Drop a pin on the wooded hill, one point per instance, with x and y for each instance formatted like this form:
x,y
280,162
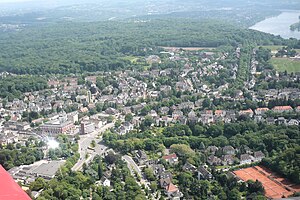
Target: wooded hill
x,y
78,47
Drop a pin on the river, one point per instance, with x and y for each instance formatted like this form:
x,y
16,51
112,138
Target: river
x,y
280,25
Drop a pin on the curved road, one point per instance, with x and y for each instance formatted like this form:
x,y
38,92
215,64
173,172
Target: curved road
x,y
85,142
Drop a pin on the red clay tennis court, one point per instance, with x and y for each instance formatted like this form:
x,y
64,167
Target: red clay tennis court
x,y
275,186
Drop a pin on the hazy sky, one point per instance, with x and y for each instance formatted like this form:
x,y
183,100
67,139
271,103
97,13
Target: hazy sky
x,y
13,1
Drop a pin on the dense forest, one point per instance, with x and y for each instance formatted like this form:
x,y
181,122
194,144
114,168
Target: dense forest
x,y
14,86
287,163
78,47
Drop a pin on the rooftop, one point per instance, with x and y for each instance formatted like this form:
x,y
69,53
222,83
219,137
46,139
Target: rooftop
x,y
48,169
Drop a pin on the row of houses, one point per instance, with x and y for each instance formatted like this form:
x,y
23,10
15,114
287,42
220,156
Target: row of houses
x,y
228,155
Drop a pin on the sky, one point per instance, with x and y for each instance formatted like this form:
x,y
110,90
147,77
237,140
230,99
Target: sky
x,y
47,1
13,1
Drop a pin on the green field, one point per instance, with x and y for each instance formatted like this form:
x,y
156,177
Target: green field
x,y
132,59
282,64
272,48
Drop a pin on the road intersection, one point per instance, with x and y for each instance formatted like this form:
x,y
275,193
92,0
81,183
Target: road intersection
x,y
84,146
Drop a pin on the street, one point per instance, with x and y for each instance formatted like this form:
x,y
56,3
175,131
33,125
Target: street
x,y
84,144
133,166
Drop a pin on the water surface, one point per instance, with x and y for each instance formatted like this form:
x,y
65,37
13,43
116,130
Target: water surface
x,y
280,25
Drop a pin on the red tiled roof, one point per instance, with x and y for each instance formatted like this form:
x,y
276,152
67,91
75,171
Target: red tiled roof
x,y
218,112
282,108
171,188
52,82
262,109
170,156
84,109
246,111
9,189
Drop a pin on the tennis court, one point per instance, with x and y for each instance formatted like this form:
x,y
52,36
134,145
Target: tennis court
x,y
273,184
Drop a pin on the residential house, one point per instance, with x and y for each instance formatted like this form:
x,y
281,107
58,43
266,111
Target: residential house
x,y
186,105
245,159
258,156
203,173
165,175
8,138
189,167
164,121
92,79
248,113
220,113
172,158
280,109
198,103
270,120
192,117
244,149
227,159
261,111
84,110
281,120
104,182
176,114
53,83
293,122
182,86
111,111
182,120
141,157
126,110
230,116
207,117
164,182
172,191
153,113
125,128
158,169
151,162
165,89
228,150
258,118
164,110
212,149
213,160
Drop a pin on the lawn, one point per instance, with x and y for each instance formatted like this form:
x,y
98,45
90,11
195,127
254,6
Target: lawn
x,y
132,59
282,64
272,48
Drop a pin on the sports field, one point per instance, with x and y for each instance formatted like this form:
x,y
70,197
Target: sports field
x,y
275,186
282,64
